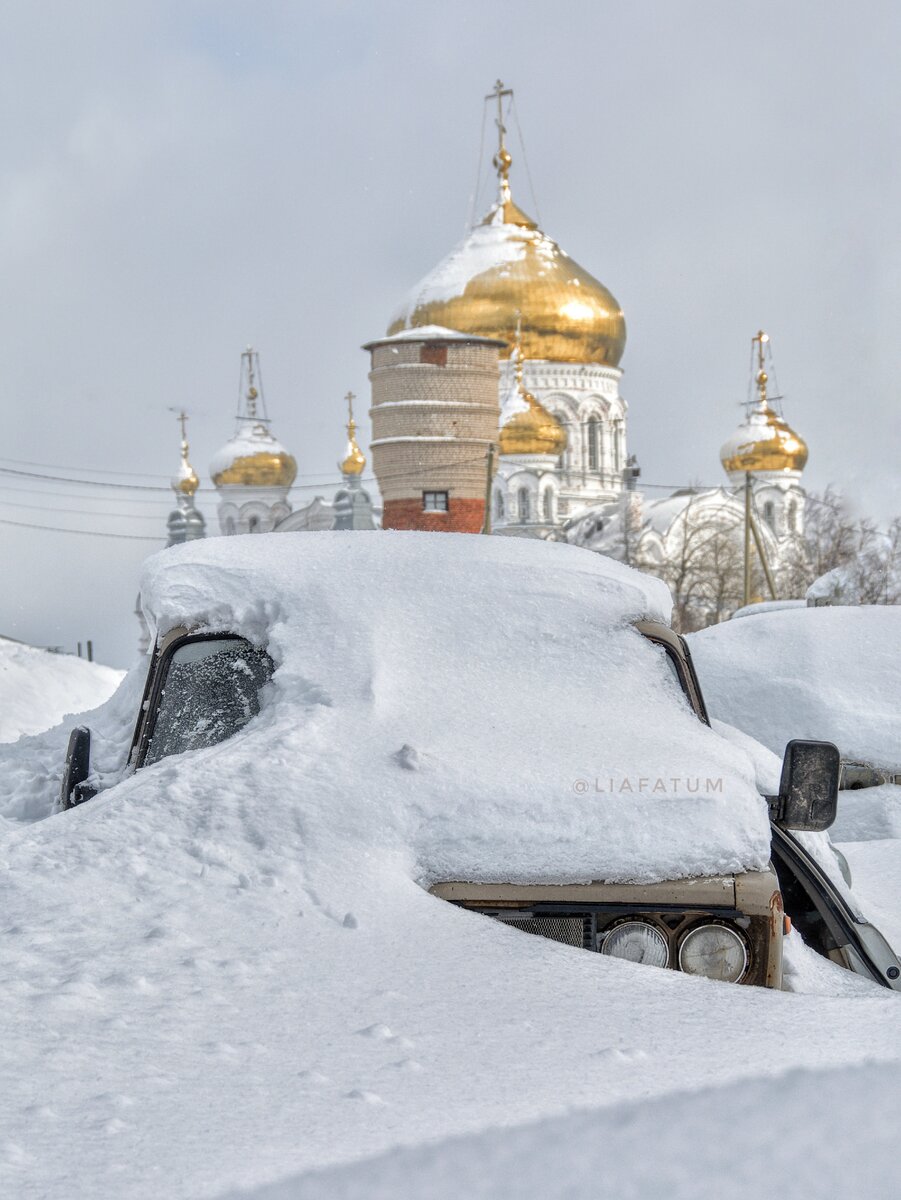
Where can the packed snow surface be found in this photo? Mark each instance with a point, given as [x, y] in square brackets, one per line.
[222, 972]
[831, 674]
[38, 688]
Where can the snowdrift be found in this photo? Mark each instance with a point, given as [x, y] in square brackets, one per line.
[38, 688]
[824, 673]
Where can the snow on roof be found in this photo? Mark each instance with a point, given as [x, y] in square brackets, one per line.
[824, 673]
[484, 248]
[438, 333]
[38, 688]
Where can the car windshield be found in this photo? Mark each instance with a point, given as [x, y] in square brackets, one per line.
[211, 690]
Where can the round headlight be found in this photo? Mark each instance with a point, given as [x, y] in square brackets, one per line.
[715, 951]
[637, 941]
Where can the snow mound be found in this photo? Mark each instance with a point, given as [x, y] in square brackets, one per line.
[38, 688]
[683, 1147]
[825, 673]
[506, 673]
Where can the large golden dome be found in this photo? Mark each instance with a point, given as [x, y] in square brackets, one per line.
[765, 442]
[507, 270]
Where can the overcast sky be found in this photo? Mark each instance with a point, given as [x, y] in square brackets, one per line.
[178, 180]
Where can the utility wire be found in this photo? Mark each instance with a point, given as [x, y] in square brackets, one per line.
[525, 158]
[130, 537]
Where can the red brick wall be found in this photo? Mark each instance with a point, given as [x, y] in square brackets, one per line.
[464, 516]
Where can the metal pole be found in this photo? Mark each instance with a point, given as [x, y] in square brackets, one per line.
[90, 650]
[761, 551]
[486, 523]
[747, 575]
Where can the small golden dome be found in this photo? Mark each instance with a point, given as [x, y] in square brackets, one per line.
[531, 430]
[507, 269]
[185, 482]
[355, 460]
[765, 442]
[253, 458]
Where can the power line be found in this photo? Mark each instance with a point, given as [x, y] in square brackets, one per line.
[130, 537]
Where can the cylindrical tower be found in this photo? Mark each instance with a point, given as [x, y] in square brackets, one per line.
[435, 415]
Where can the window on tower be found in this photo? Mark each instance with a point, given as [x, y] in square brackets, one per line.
[434, 501]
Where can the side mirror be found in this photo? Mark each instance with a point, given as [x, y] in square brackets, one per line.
[74, 788]
[808, 791]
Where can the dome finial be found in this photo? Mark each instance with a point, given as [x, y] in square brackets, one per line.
[185, 482]
[354, 460]
[760, 340]
[503, 159]
[764, 443]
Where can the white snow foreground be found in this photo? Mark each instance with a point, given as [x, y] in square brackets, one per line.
[222, 971]
[786, 1137]
[38, 688]
[824, 673]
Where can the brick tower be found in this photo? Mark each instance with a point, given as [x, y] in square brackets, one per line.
[435, 415]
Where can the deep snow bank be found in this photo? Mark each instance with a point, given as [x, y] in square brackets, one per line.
[220, 973]
[811, 1135]
[824, 673]
[38, 688]
[481, 703]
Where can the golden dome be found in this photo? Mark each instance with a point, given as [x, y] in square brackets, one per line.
[764, 442]
[253, 458]
[355, 460]
[185, 482]
[507, 270]
[531, 430]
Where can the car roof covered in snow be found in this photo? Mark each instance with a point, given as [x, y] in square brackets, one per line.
[483, 703]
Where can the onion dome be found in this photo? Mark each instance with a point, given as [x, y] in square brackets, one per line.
[531, 429]
[764, 442]
[505, 270]
[253, 457]
[185, 482]
[185, 523]
[354, 460]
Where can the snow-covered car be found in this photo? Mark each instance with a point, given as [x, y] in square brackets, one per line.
[836, 670]
[525, 714]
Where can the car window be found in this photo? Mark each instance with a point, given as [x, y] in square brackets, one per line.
[211, 690]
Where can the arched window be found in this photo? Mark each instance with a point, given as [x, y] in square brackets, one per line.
[594, 444]
[769, 513]
[499, 505]
[230, 525]
[524, 505]
[791, 516]
[253, 525]
[548, 506]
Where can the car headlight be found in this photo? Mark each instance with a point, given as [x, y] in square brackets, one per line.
[715, 951]
[637, 941]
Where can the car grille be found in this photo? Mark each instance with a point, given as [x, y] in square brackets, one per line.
[571, 929]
